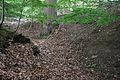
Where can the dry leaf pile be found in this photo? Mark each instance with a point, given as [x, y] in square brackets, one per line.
[78, 53]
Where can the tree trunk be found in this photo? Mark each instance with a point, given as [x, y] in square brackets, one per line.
[51, 12]
[20, 16]
[3, 13]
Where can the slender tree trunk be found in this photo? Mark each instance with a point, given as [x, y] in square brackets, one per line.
[31, 11]
[20, 16]
[3, 13]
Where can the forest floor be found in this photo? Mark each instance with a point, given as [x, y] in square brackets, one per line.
[78, 53]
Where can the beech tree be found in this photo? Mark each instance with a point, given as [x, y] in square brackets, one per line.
[50, 9]
[51, 13]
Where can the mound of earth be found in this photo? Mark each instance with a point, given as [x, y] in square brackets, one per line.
[87, 53]
[102, 51]
[78, 53]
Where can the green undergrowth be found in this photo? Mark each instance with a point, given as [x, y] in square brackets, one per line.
[89, 16]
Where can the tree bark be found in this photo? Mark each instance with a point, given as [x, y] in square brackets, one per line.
[3, 13]
[51, 12]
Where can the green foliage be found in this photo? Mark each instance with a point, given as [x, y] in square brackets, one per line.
[88, 16]
[83, 11]
[106, 19]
